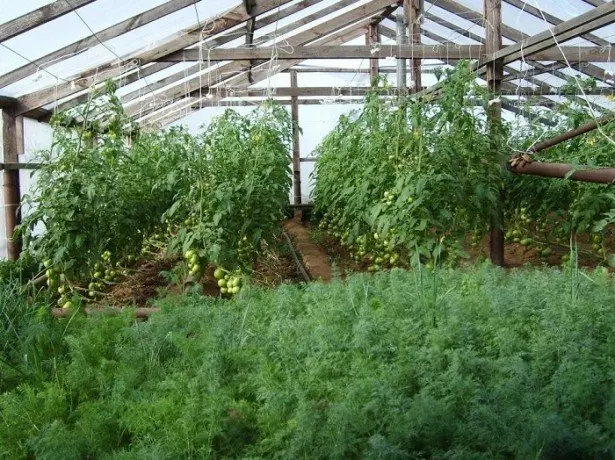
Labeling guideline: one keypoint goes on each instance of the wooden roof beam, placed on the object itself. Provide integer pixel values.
(441, 51)
(194, 86)
(509, 32)
(177, 41)
(39, 17)
(540, 14)
(181, 74)
(241, 81)
(92, 40)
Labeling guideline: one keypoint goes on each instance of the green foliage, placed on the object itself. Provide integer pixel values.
(480, 364)
(103, 198)
(102, 193)
(582, 207)
(236, 186)
(417, 175)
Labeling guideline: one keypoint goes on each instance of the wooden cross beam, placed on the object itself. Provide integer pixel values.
(194, 86)
(176, 42)
(417, 51)
(92, 40)
(182, 73)
(39, 17)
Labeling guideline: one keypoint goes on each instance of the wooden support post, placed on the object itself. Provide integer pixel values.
(493, 43)
(12, 145)
(372, 37)
(296, 152)
(401, 63)
(414, 13)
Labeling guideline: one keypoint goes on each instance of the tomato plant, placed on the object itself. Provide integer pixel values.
(235, 187)
(107, 195)
(413, 179)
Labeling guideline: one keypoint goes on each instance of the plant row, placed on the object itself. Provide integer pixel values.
(106, 198)
(414, 179)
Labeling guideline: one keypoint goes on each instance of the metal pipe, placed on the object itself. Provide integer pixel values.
(561, 170)
(572, 133)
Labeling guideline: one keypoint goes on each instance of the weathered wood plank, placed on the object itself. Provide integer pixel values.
(414, 14)
(106, 34)
(175, 42)
(39, 17)
(408, 51)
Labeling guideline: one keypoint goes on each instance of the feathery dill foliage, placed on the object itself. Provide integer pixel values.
(432, 158)
(481, 364)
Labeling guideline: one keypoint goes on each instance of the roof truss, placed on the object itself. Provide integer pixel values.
(250, 63)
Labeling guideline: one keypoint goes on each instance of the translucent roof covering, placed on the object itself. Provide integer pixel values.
(55, 64)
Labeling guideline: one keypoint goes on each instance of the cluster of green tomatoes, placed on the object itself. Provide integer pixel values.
(378, 251)
(229, 283)
(57, 280)
(194, 263)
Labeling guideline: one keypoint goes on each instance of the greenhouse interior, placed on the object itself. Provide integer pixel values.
(255, 229)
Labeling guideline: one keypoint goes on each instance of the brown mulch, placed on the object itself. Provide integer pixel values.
(142, 284)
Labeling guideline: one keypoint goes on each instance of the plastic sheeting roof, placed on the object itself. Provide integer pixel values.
(102, 14)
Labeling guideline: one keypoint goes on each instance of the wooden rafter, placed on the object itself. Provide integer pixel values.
(580, 25)
(417, 51)
(177, 41)
(193, 87)
(241, 81)
(540, 14)
(92, 40)
(39, 17)
(509, 32)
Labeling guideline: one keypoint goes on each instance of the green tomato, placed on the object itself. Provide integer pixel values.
(97, 275)
(48, 263)
(223, 290)
(235, 289)
(597, 239)
(92, 294)
(222, 283)
(67, 305)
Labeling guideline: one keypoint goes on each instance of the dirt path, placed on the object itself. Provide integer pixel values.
(314, 256)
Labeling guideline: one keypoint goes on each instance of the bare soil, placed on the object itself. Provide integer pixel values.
(314, 256)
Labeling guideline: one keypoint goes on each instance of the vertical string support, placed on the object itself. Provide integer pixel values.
(12, 146)
(414, 15)
(372, 38)
(294, 105)
(493, 43)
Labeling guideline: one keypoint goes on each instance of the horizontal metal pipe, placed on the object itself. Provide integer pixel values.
(561, 170)
(587, 127)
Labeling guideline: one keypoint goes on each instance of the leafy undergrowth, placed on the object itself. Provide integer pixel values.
(479, 364)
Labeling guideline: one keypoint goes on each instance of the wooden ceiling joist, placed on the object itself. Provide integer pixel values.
(580, 25)
(508, 32)
(39, 17)
(176, 42)
(92, 40)
(218, 41)
(442, 52)
(194, 87)
(342, 35)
